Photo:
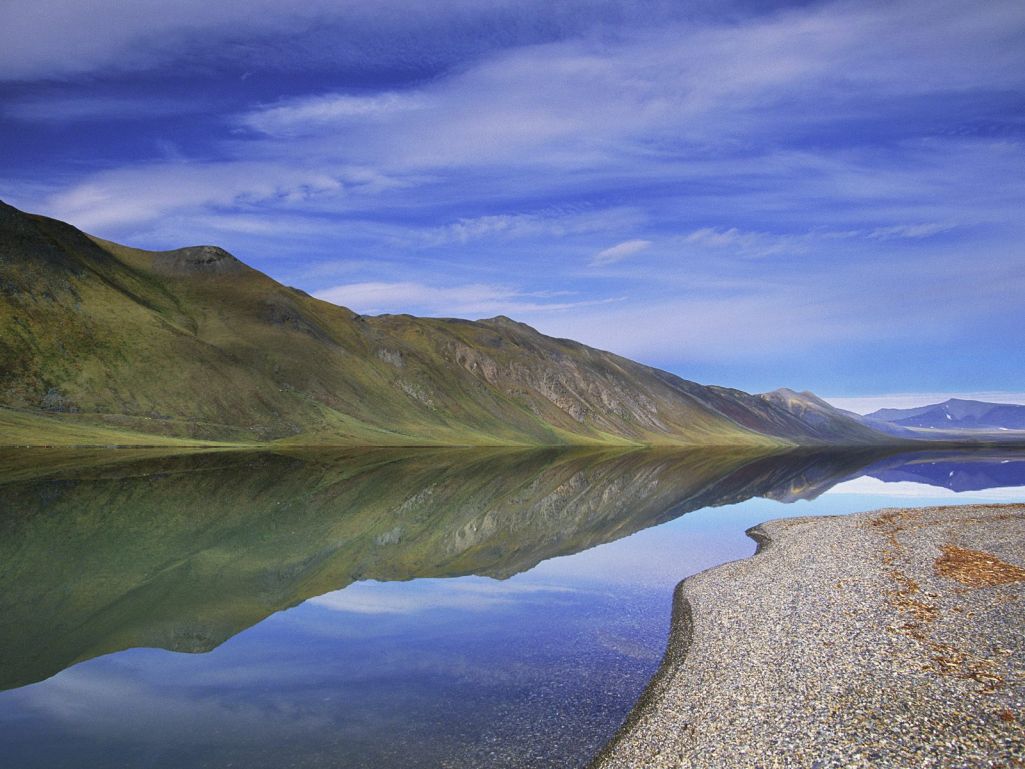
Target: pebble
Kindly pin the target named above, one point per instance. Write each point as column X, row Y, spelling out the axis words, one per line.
column 842, row 644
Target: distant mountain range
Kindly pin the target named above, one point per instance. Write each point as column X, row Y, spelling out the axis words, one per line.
column 105, row 344
column 956, row 413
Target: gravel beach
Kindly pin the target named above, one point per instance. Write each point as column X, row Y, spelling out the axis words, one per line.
column 894, row 638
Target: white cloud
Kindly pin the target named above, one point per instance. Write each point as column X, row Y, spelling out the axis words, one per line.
column 619, row 252
column 44, row 38
column 746, row 243
column 669, row 106
column 752, row 244
column 552, row 222
column 149, row 192
column 466, row 300
column 311, row 115
column 576, row 103
column 913, row 231
column 48, row 38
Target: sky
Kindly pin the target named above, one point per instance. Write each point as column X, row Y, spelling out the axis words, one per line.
column 818, row 195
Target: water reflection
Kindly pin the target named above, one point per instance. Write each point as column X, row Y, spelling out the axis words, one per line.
column 958, row 472
column 183, row 553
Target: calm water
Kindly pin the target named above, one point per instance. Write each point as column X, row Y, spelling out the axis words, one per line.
column 379, row 609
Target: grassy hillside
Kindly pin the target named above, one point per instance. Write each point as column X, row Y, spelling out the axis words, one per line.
column 107, row 344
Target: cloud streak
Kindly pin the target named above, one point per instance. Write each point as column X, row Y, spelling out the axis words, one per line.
column 472, row 299
column 302, row 116
column 619, row 252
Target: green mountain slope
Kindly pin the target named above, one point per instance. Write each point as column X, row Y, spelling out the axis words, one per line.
column 106, row 344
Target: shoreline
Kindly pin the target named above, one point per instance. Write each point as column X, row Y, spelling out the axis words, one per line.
column 894, row 637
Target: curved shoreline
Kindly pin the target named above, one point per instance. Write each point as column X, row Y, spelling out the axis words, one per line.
column 844, row 643
column 681, row 635
column 677, row 646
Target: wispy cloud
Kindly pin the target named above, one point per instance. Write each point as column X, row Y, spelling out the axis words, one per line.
column 551, row 222
column 647, row 109
column 472, row 299
column 909, row 231
column 619, row 252
column 148, row 192
column 54, row 38
column 312, row 115
column 755, row 244
column 70, row 109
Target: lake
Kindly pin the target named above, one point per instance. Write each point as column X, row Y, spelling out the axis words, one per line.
column 374, row 608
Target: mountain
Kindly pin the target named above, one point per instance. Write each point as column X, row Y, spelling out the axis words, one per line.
column 105, row 344
column 956, row 413
column 810, row 408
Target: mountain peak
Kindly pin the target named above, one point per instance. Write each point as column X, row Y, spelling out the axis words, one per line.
column 505, row 320
column 806, row 396
column 789, row 393
column 194, row 260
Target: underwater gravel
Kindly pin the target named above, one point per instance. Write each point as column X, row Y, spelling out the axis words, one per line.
column 894, row 638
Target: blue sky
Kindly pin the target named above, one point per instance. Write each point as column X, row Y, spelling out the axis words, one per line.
column 827, row 196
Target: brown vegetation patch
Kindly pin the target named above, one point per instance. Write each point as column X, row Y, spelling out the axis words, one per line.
column 901, row 598
column 970, row 567
column 975, row 568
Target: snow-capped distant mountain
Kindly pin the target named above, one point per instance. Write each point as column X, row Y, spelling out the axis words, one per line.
column 956, row 413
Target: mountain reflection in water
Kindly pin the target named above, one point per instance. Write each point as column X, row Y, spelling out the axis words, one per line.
column 101, row 553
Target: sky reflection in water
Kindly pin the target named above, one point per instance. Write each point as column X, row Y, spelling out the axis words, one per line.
column 466, row 671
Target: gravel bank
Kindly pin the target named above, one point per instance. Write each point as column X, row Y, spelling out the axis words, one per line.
column 894, row 638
